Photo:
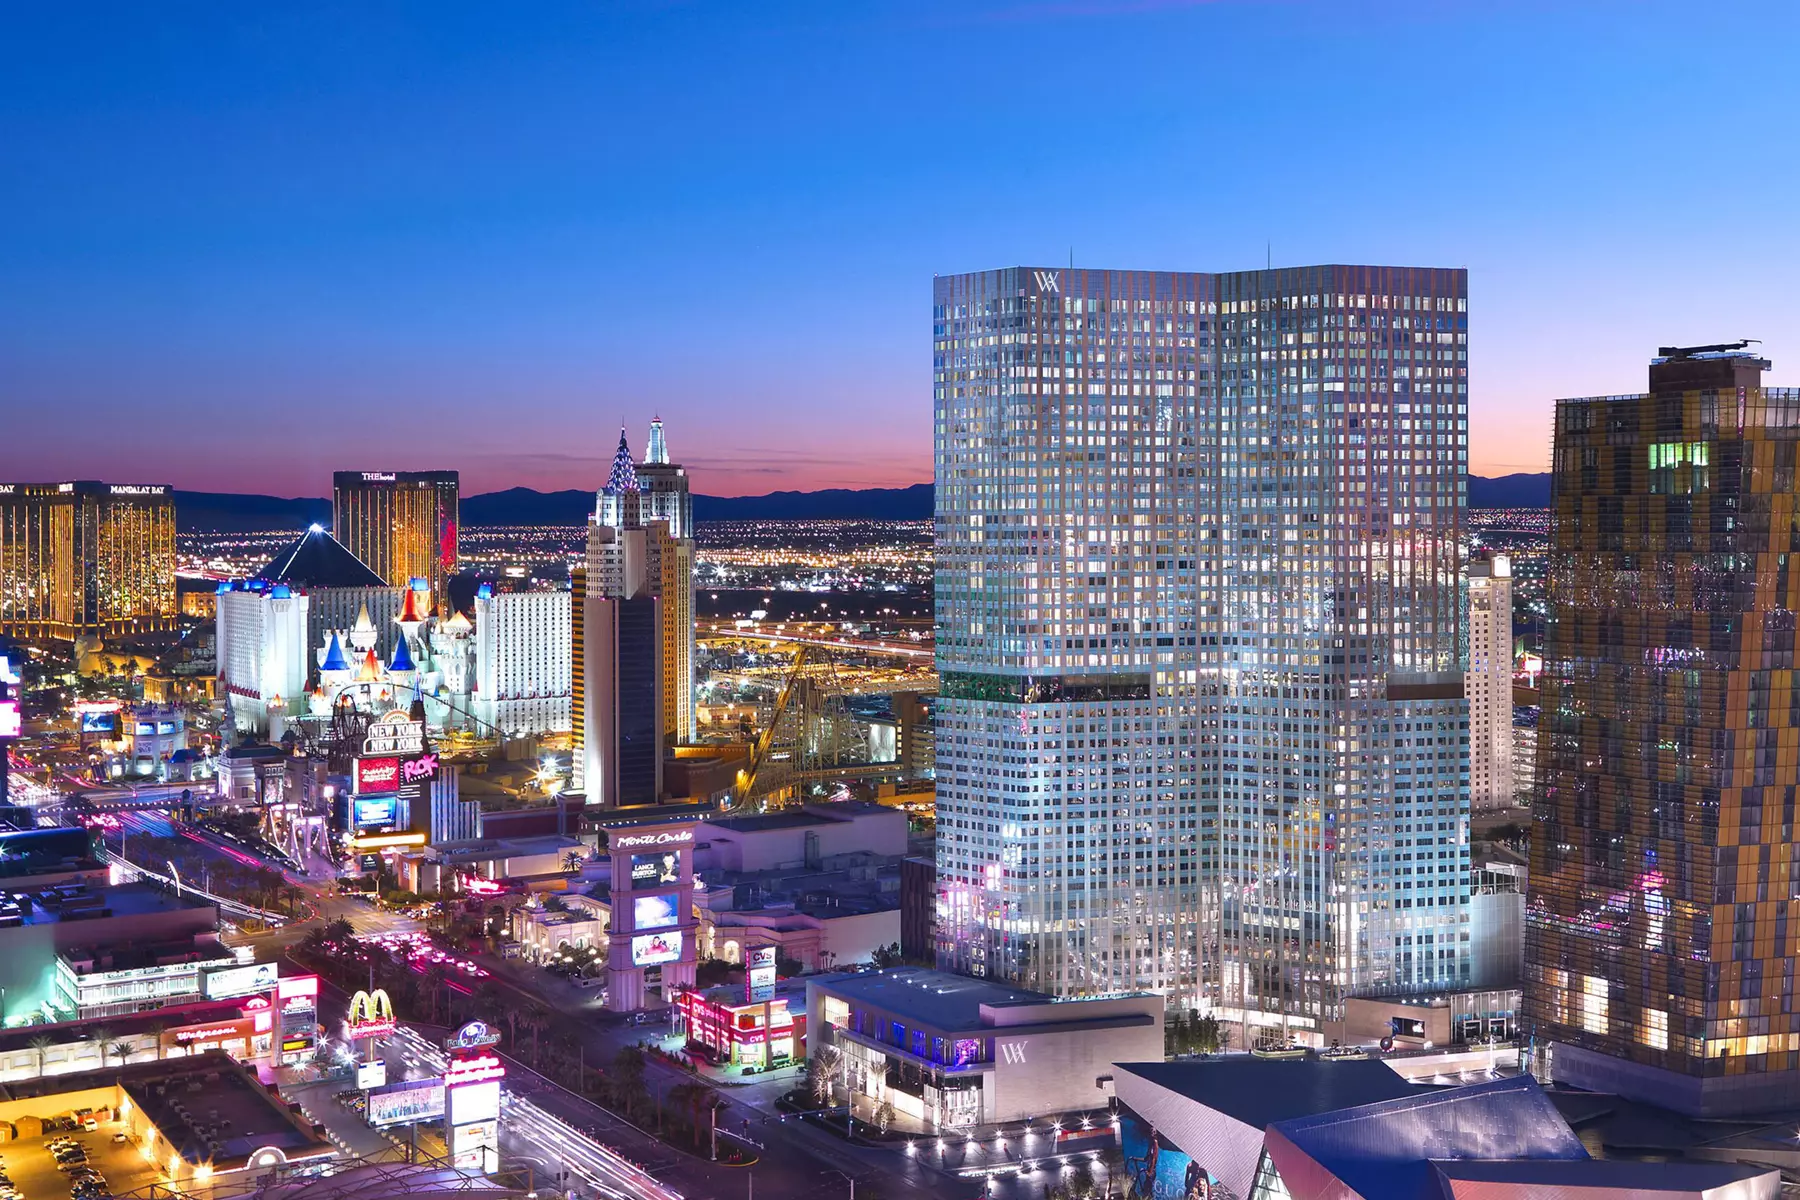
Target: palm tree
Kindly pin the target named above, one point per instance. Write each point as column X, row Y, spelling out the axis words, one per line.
column 99, row 1036
column 341, row 931
column 156, row 1029
column 435, row 978
column 512, row 1019
column 41, row 1043
column 537, row 1019
column 119, row 1050
column 691, row 1096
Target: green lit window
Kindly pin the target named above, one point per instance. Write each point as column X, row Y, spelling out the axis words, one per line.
column 1678, row 454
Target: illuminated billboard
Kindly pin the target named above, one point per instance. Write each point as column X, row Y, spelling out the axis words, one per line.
column 759, row 975
column 412, row 1100
column 239, row 981
column 371, row 1074
column 654, row 912
column 654, row 948
column 98, row 722
column 377, row 775
column 379, row 811
column 473, row 1102
column 10, row 721
column 653, row 869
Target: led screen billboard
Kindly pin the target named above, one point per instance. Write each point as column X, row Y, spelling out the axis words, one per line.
column 98, row 722
column 412, row 1100
column 649, row 870
column 654, row 912
column 474, row 1102
column 239, row 981
column 377, row 775
column 653, row 948
column 379, row 811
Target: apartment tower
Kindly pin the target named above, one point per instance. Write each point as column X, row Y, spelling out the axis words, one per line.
column 1659, row 948
column 1201, row 635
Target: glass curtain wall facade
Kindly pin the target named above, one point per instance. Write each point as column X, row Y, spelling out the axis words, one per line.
column 1334, row 761
column 1068, row 837
column 1201, row 633
column 403, row 524
column 86, row 558
column 1659, row 948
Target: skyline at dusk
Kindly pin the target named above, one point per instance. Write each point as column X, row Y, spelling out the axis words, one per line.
column 252, row 247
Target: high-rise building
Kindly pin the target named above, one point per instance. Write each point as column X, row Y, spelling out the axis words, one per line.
column 271, row 627
column 403, row 524
column 1659, row 956
column 1489, row 684
column 664, row 496
column 523, row 652
column 86, row 558
column 623, row 672
column 645, row 509
column 616, row 694
column 1200, row 633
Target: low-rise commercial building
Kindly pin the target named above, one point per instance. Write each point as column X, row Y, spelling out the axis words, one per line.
column 727, row 1026
column 576, row 922
column 950, row 1051
column 54, row 937
column 821, row 933
column 813, row 836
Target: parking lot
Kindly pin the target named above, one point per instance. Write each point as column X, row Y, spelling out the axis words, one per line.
column 33, row 1170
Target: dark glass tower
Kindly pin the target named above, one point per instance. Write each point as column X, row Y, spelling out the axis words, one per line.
column 1659, row 954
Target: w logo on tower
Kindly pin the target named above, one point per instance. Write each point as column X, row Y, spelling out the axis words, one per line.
column 1046, row 281
column 1012, row 1052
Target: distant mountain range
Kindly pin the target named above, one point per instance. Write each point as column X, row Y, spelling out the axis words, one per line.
column 1510, row 491
column 226, row 512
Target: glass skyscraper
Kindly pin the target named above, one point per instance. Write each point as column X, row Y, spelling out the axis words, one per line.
column 1200, row 633
column 1660, row 949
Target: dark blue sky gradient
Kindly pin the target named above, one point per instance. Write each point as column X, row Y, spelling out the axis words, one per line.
column 244, row 245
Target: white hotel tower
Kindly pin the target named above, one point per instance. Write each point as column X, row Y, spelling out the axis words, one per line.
column 1201, row 634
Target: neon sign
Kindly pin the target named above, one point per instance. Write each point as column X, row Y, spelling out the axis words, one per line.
column 189, row 1035
column 477, row 1068
column 371, row 1015
column 655, row 839
column 473, row 1036
column 296, row 986
column 415, row 769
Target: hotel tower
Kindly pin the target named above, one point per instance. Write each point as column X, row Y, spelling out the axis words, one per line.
column 1201, row 634
column 1659, row 951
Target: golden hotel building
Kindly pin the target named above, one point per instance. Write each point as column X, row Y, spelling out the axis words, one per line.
column 86, row 558
column 1661, row 921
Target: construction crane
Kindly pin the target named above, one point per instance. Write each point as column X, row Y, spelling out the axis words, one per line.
column 759, row 750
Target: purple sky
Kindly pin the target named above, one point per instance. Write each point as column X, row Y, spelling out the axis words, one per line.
column 243, row 246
